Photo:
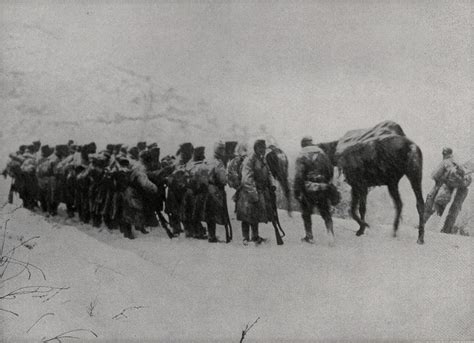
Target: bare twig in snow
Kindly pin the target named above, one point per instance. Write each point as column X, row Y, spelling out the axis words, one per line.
column 44, row 315
column 91, row 307
column 125, row 310
column 15, row 314
column 64, row 335
column 4, row 233
column 247, row 329
column 44, row 290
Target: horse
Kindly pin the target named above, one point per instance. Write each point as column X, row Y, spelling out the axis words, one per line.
column 380, row 156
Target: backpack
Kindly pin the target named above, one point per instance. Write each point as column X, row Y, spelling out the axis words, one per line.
column 199, row 177
column 455, row 176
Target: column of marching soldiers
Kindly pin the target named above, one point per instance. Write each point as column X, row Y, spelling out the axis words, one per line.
column 131, row 188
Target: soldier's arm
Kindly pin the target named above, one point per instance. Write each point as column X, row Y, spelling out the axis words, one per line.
column 299, row 181
column 145, row 183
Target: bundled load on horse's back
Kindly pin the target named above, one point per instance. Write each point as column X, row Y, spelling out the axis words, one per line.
column 378, row 156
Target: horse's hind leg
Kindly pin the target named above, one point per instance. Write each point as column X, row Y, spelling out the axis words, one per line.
column 363, row 204
column 356, row 195
column 395, row 194
column 420, row 206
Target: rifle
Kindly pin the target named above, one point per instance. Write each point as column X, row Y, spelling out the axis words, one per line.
column 164, row 224
column 279, row 233
column 227, row 225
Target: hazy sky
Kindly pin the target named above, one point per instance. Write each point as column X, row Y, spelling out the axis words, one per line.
column 300, row 67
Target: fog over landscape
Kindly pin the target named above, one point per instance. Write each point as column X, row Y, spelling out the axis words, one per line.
column 169, row 72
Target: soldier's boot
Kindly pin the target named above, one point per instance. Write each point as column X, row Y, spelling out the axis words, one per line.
column 245, row 232
column 255, row 237
column 211, row 231
column 199, row 231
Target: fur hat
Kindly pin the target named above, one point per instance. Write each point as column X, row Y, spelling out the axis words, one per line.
column 37, row 145
column 133, row 153
column 155, row 154
column 92, row 148
column 46, row 151
column 186, row 148
column 109, row 147
column 141, row 146
column 145, row 156
column 152, row 145
column 62, row 150
column 306, row 140
column 198, row 154
column 259, row 143
column 22, row 148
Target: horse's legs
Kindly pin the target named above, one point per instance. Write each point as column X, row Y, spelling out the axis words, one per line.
column 355, row 199
column 393, row 189
column 363, row 204
column 420, row 206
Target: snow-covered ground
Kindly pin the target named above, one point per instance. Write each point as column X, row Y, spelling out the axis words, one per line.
column 372, row 287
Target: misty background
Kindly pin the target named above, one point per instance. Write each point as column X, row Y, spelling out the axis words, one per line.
column 198, row 71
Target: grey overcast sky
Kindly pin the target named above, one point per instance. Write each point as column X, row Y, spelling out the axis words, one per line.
column 299, row 67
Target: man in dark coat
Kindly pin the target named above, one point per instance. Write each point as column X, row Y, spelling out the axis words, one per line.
column 194, row 199
column 43, row 174
column 254, row 204
column 313, row 187
column 177, row 186
column 216, row 199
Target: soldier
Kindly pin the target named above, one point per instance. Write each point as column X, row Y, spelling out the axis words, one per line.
column 254, row 204
column 193, row 203
column 134, row 197
column 312, row 187
column 43, row 174
column 216, row 211
column 55, row 196
column 29, row 194
column 234, row 179
column 177, row 186
column 447, row 168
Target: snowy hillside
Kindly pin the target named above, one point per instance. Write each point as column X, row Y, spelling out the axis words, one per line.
column 372, row 287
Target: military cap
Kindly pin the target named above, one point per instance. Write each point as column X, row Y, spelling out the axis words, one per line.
column 198, row 154
column 117, row 147
column 30, row 148
column 70, row 142
column 123, row 149
column 109, row 147
column 447, row 151
column 141, row 146
column 152, row 145
column 22, row 148
column 306, row 140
